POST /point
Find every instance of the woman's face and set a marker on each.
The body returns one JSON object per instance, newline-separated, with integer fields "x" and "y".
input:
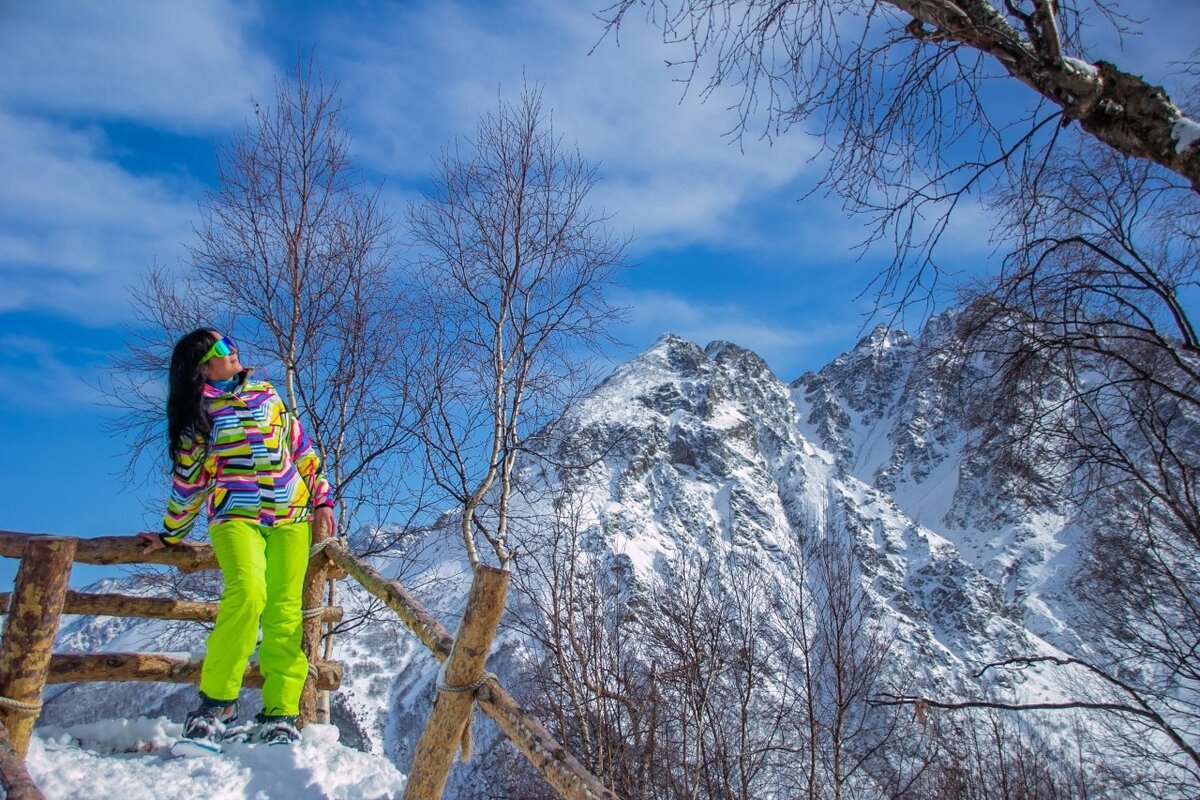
{"x": 221, "y": 368}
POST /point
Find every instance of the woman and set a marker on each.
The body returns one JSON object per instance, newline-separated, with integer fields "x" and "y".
{"x": 235, "y": 447}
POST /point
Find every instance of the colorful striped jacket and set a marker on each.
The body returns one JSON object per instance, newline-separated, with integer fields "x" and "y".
{"x": 256, "y": 464}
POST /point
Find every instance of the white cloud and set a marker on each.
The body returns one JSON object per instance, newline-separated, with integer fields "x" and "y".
{"x": 33, "y": 367}
{"x": 76, "y": 229}
{"x": 179, "y": 66}
{"x": 666, "y": 170}
{"x": 76, "y": 226}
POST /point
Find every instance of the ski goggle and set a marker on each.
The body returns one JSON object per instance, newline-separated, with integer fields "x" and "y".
{"x": 221, "y": 348}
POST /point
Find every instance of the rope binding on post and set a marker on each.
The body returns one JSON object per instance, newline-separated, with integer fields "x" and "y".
{"x": 472, "y": 687}
{"x": 466, "y": 743}
{"x": 30, "y": 709}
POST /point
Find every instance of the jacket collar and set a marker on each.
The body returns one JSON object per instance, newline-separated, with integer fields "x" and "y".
{"x": 213, "y": 392}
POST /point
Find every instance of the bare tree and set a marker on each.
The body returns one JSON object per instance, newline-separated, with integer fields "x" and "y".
{"x": 586, "y": 679}
{"x": 1089, "y": 362}
{"x": 719, "y": 697}
{"x": 902, "y": 93}
{"x": 1133, "y": 718}
{"x": 851, "y": 653}
{"x": 839, "y": 656}
{"x": 990, "y": 754}
{"x": 164, "y": 306}
{"x": 299, "y": 248}
{"x": 293, "y": 258}
{"x": 688, "y": 628}
{"x": 802, "y": 666}
{"x": 752, "y": 731}
{"x": 515, "y": 263}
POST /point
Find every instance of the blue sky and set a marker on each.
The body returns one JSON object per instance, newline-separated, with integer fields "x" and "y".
{"x": 109, "y": 113}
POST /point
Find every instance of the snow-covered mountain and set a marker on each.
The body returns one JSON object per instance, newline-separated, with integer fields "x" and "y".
{"x": 705, "y": 451}
{"x": 689, "y": 456}
{"x": 896, "y": 418}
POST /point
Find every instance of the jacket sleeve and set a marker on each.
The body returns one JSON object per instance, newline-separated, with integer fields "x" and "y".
{"x": 189, "y": 487}
{"x": 308, "y": 464}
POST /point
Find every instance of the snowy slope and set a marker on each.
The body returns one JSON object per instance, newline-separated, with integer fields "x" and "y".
{"x": 127, "y": 759}
{"x": 900, "y": 422}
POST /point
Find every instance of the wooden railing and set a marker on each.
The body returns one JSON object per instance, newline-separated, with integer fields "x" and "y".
{"x": 40, "y": 596}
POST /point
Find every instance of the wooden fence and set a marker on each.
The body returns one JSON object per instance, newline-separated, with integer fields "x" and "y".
{"x": 40, "y": 596}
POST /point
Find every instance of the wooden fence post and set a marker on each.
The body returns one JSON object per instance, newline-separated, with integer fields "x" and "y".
{"x": 28, "y": 640}
{"x": 314, "y": 601}
{"x": 13, "y": 775}
{"x": 461, "y": 674}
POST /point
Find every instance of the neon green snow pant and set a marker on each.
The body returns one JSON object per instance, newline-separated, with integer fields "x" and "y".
{"x": 263, "y": 568}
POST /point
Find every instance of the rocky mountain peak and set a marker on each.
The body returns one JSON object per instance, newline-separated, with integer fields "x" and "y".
{"x": 675, "y": 354}
{"x": 739, "y": 359}
{"x": 869, "y": 375}
{"x": 883, "y": 337}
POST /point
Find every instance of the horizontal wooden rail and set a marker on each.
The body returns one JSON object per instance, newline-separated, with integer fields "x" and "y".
{"x": 116, "y": 550}
{"x": 122, "y": 605}
{"x": 551, "y": 760}
{"x": 39, "y": 598}
{"x": 411, "y": 613}
{"x": 121, "y": 550}
{"x": 164, "y": 667}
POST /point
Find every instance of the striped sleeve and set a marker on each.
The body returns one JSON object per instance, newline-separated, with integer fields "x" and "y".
{"x": 308, "y": 464}
{"x": 189, "y": 486}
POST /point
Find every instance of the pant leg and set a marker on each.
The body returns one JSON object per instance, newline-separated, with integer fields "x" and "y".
{"x": 283, "y": 663}
{"x": 240, "y": 550}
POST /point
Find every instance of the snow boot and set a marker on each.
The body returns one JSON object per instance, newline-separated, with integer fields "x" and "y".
{"x": 240, "y": 733}
{"x": 204, "y": 728}
{"x": 276, "y": 730}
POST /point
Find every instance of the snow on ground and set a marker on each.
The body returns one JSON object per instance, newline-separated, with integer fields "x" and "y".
{"x": 130, "y": 759}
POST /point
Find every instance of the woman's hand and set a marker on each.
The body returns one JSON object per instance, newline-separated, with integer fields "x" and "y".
{"x": 151, "y": 541}
{"x": 324, "y": 525}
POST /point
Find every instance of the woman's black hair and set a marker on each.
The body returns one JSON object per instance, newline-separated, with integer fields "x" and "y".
{"x": 186, "y": 418}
